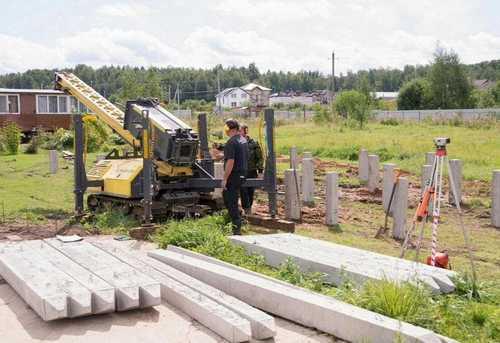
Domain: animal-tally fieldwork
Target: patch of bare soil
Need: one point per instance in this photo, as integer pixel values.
(23, 230)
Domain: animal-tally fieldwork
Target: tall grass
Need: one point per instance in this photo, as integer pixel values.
(457, 315)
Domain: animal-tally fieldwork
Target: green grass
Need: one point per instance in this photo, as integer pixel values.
(27, 186)
(404, 144)
(455, 315)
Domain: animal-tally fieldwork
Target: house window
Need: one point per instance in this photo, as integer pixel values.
(48, 104)
(234, 104)
(233, 95)
(243, 95)
(9, 104)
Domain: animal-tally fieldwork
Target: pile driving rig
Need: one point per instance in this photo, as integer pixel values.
(170, 170)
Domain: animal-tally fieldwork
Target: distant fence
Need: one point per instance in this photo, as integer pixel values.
(293, 115)
(182, 114)
(465, 114)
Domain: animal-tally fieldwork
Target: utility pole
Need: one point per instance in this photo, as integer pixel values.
(169, 90)
(178, 97)
(333, 74)
(218, 92)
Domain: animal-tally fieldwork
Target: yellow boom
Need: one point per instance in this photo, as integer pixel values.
(98, 104)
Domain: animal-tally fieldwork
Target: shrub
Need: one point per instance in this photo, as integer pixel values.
(390, 122)
(354, 105)
(10, 136)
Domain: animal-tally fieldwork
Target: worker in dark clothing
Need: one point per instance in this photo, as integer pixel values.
(255, 167)
(235, 169)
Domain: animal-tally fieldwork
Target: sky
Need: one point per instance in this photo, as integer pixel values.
(288, 35)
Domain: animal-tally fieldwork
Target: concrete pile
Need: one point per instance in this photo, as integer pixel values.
(327, 314)
(60, 280)
(341, 263)
(227, 316)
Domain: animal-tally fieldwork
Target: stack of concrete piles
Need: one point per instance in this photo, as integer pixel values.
(324, 313)
(60, 280)
(341, 263)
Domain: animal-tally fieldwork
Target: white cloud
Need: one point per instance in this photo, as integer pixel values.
(105, 46)
(18, 54)
(123, 10)
(276, 34)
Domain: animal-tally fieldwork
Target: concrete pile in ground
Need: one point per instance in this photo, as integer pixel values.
(53, 285)
(327, 314)
(133, 289)
(341, 263)
(222, 313)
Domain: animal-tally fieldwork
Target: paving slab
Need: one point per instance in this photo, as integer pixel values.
(51, 293)
(327, 314)
(220, 319)
(133, 289)
(341, 263)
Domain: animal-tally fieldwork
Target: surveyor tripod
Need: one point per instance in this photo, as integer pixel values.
(430, 202)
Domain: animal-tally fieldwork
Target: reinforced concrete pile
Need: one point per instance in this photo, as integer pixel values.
(341, 263)
(60, 280)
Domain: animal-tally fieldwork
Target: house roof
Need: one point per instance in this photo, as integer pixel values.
(385, 95)
(228, 91)
(30, 91)
(252, 86)
(483, 84)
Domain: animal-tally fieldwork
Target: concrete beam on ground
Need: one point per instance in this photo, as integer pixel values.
(341, 263)
(373, 173)
(455, 167)
(308, 182)
(216, 312)
(327, 314)
(103, 294)
(292, 195)
(363, 166)
(388, 179)
(400, 209)
(495, 199)
(332, 199)
(133, 288)
(50, 292)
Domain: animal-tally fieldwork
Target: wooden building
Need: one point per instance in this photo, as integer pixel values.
(31, 109)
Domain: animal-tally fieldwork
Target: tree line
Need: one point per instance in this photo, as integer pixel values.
(120, 83)
(446, 85)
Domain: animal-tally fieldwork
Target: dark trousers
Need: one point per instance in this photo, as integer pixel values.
(247, 193)
(230, 196)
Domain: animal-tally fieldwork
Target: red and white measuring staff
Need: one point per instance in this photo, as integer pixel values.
(436, 205)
